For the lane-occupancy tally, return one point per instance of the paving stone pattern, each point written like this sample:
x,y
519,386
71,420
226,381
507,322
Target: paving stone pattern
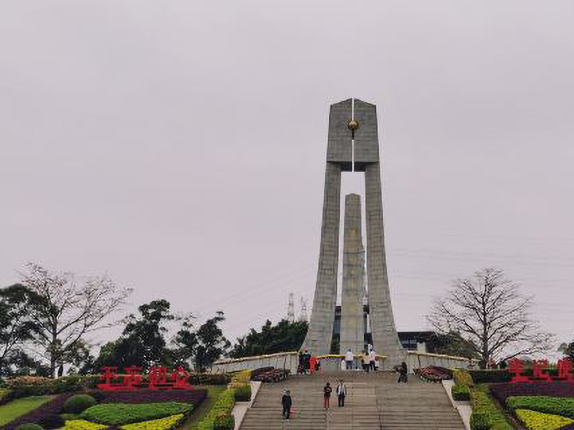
x,y
375,402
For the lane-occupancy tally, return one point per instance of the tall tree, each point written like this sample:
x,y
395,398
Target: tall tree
x,y
143,341
68,308
283,337
211,344
16,325
490,313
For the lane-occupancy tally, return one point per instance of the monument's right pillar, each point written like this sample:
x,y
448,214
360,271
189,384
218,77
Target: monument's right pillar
x,y
366,158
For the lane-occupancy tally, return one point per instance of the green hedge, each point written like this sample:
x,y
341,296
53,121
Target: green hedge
x,y
563,406
243,393
490,376
460,393
222,408
117,414
485,411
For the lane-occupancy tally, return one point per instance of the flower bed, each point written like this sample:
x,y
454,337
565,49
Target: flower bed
x,y
556,389
550,405
122,413
434,373
485,414
82,425
533,420
54,406
221,411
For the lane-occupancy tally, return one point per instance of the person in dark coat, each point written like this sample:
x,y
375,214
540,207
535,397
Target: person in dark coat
x,y
287,402
327,395
403,373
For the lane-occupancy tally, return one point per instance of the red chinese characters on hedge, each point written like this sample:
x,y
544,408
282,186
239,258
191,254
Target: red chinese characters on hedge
x,y
131,380
539,368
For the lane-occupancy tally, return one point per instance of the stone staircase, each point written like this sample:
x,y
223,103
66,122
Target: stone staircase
x,y
374,402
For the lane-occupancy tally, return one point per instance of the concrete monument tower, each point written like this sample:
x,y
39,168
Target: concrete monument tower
x,y
353,146
352,321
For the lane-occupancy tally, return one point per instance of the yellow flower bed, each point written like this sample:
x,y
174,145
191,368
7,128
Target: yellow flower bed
x,y
82,425
160,424
539,421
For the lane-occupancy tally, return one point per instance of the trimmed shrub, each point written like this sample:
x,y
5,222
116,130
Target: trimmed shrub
x,y
121,413
224,422
539,421
479,422
462,377
490,376
460,393
160,424
549,405
70,417
79,403
209,379
29,426
243,393
52,421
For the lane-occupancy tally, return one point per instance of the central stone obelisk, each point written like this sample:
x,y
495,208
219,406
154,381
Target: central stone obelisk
x,y
353,145
352,322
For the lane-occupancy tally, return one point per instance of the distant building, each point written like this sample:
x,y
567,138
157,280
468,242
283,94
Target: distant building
x,y
410,340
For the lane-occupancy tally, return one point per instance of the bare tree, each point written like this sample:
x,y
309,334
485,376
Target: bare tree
x,y
68,308
492,315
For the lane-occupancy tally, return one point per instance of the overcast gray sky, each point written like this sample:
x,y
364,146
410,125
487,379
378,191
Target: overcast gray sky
x,y
179,146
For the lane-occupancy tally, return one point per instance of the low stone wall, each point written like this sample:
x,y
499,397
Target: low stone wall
x,y
290,360
416,360
281,360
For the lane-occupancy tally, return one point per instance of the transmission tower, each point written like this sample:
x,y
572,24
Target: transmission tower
x,y
303,315
291,309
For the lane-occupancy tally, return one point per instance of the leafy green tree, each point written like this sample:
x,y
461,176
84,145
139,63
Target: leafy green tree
x,y
283,337
16,326
143,341
211,344
569,352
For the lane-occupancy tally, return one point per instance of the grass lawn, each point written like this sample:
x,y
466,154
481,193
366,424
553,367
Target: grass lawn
x,y
213,393
19,407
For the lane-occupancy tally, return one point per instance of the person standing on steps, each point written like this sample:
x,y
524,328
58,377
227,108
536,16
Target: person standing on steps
x,y
372,360
349,359
287,402
341,393
327,396
403,372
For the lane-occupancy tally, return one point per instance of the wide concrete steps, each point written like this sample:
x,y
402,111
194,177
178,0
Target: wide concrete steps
x,y
374,402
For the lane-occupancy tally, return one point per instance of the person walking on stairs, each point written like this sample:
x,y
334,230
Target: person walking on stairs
x,y
403,372
327,395
287,402
341,393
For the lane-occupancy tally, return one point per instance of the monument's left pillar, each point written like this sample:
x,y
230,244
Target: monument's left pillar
x,y
320,333
339,159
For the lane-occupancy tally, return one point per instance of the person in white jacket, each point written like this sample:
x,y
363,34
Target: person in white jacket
x,y
341,393
349,359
